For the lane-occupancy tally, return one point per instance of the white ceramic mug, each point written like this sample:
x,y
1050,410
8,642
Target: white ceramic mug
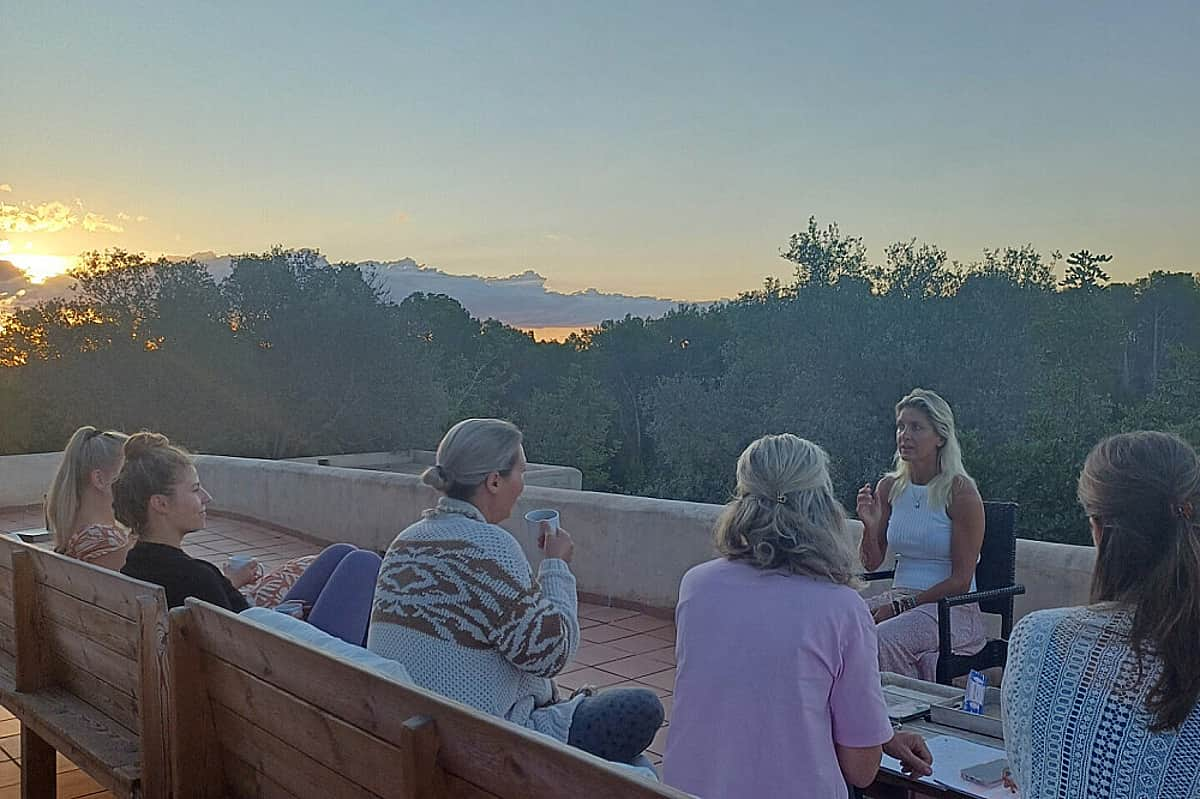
x,y
534,520
237,562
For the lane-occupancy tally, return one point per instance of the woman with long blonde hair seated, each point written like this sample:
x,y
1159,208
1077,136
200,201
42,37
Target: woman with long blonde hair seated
x,y
79,505
929,512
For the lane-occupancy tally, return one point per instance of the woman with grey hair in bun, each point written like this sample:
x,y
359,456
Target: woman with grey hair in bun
x,y
778,690
458,603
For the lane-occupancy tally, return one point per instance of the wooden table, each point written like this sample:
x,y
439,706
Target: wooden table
x,y
889,785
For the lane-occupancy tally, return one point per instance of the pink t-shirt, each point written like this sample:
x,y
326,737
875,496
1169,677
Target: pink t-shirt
x,y
772,670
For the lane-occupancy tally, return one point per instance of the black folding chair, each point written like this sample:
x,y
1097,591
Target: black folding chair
x,y
996,586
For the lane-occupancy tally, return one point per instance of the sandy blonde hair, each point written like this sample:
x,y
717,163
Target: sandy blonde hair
x,y
88,449
469,452
950,462
153,465
785,516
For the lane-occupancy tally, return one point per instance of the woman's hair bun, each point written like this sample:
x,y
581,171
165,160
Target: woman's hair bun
x,y
436,478
141,444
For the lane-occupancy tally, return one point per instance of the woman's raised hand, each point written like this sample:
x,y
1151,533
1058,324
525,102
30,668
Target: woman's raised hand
x,y
555,544
870,513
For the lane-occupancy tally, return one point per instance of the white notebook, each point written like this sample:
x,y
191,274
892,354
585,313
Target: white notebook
x,y
950,756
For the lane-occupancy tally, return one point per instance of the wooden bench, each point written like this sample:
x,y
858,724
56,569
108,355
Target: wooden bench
x,y
262,714
90,672
8,637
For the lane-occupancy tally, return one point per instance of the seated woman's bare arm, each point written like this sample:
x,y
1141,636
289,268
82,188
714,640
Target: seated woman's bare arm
x,y
874,511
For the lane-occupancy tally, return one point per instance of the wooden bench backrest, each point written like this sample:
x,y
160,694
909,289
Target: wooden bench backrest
x,y
275,717
8,639
99,637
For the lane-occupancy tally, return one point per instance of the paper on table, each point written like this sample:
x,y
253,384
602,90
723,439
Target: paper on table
x,y
950,756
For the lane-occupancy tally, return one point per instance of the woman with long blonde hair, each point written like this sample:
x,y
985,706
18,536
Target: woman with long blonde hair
x,y
929,512
79,504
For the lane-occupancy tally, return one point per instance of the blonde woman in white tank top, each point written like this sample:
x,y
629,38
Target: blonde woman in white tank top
x,y
929,512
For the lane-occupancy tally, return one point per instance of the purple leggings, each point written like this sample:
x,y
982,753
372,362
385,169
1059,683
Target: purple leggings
x,y
339,586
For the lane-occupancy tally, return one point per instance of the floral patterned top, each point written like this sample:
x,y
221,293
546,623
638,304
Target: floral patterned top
x,y
96,541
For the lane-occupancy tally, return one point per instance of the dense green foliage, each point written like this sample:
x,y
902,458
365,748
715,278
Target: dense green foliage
x,y
287,356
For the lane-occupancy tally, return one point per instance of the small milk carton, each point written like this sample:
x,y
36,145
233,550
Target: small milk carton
x,y
973,699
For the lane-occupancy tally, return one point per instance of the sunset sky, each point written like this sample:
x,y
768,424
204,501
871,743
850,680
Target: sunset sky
x,y
646,148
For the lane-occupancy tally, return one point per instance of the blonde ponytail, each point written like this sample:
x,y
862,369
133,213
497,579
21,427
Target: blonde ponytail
x,y
87,450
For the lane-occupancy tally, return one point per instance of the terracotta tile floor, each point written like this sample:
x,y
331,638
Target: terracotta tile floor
x,y
619,647
628,649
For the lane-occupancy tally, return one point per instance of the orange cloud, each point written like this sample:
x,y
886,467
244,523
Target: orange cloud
x,y
45,218
55,216
96,223
5,187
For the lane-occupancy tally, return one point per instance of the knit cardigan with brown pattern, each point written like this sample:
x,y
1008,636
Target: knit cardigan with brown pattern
x,y
458,604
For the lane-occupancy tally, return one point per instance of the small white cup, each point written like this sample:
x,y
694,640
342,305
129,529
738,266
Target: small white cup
x,y
241,561
534,519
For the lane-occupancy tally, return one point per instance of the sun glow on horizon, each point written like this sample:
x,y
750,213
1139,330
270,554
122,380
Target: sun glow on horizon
x,y
39,268
559,334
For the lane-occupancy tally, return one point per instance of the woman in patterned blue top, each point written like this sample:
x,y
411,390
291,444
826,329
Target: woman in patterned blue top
x,y
1101,701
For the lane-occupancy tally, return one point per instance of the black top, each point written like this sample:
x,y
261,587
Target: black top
x,y
183,576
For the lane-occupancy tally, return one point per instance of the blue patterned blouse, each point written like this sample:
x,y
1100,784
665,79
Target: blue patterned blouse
x,y
1075,720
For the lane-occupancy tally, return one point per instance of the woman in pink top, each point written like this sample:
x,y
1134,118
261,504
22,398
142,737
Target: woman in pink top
x,y
778,690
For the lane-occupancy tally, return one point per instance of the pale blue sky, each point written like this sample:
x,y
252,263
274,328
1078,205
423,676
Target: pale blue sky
x,y
663,148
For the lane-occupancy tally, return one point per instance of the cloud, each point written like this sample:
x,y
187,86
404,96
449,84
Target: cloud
x,y
401,217
5,187
519,300
48,217
56,216
96,223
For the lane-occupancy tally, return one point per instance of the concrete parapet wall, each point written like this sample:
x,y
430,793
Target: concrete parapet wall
x,y
329,503
25,478
1054,575
414,461
628,548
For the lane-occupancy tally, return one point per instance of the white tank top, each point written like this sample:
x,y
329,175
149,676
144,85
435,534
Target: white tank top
x,y
920,537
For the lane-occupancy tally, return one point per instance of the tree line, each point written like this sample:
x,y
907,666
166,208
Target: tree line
x,y
290,356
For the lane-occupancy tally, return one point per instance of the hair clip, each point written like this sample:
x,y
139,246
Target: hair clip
x,y
1183,510
781,499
